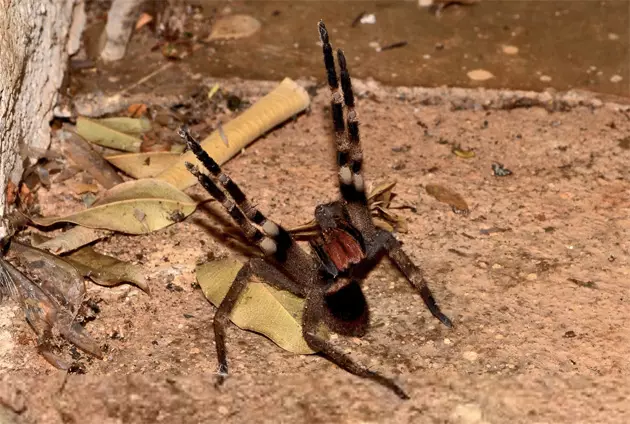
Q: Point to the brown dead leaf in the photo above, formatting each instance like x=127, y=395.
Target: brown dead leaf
x=51, y=296
x=448, y=196
x=11, y=193
x=137, y=110
x=144, y=19
x=86, y=158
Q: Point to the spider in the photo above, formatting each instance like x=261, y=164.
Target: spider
x=348, y=244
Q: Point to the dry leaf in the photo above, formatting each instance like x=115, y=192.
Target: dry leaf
x=88, y=159
x=234, y=27
x=134, y=126
x=144, y=19
x=379, y=201
x=99, y=133
x=72, y=239
x=106, y=270
x=11, y=192
x=382, y=192
x=53, y=302
x=448, y=196
x=285, y=101
x=159, y=203
x=136, y=110
x=143, y=165
x=82, y=188
x=274, y=313
x=464, y=154
x=213, y=91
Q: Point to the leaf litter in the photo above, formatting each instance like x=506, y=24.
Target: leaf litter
x=379, y=201
x=51, y=292
x=51, y=289
x=133, y=207
x=277, y=314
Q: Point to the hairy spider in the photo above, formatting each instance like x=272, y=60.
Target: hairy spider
x=347, y=247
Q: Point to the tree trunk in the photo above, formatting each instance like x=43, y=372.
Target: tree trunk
x=36, y=37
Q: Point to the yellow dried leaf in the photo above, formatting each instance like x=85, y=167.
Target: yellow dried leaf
x=464, y=154
x=134, y=207
x=99, y=133
x=274, y=313
x=143, y=165
x=448, y=196
x=72, y=239
x=106, y=270
x=126, y=125
x=285, y=101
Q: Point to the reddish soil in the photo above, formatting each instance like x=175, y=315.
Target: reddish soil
x=535, y=278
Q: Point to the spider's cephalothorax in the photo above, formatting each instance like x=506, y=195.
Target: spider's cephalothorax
x=347, y=247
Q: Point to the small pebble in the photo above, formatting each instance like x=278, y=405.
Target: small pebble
x=448, y=342
x=511, y=50
x=480, y=75
x=531, y=277
x=223, y=410
x=545, y=78
x=616, y=78
x=470, y=356
x=368, y=19
x=468, y=413
x=497, y=266
x=612, y=36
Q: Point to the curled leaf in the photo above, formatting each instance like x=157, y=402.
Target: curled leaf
x=99, y=133
x=143, y=165
x=126, y=125
x=274, y=313
x=464, y=154
x=382, y=193
x=72, y=239
x=106, y=270
x=133, y=207
x=286, y=100
x=448, y=196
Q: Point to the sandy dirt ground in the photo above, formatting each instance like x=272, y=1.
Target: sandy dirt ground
x=535, y=278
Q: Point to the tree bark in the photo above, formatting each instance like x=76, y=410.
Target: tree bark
x=36, y=37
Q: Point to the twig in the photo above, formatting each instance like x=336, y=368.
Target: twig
x=145, y=78
x=393, y=46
